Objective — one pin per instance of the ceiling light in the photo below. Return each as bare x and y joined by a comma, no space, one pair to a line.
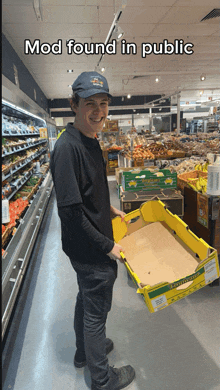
201,92
69,85
138,113
100,69
156,80
37,9
70,71
129,96
160,109
118,33
203,77
70,94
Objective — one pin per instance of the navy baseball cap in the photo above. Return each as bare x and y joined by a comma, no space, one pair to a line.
90,83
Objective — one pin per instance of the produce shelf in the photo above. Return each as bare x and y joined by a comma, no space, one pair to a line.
19,165
22,131
18,252
19,148
22,182
14,133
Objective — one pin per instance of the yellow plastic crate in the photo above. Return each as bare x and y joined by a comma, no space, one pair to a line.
163,294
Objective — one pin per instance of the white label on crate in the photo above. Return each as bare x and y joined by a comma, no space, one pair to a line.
5,211
210,271
159,302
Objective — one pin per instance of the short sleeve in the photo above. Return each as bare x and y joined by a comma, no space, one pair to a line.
65,172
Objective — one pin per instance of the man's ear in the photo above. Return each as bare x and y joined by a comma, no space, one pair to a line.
73,106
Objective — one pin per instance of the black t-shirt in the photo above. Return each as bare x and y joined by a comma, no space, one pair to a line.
78,171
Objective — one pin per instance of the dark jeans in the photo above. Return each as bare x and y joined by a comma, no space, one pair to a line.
92,306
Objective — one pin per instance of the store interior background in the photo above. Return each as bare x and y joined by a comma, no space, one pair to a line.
45,80
176,347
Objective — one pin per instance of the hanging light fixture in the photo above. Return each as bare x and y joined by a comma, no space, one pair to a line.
203,77
118,33
115,31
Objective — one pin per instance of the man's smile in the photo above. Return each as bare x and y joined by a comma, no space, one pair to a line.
96,120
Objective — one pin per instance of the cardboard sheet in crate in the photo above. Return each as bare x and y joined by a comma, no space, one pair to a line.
148,180
165,259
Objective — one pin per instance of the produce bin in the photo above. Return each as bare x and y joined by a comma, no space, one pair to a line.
202,215
158,247
148,180
183,178
119,172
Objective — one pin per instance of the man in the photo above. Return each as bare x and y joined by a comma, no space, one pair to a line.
79,175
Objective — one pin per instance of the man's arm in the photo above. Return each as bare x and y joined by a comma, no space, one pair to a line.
79,226
81,229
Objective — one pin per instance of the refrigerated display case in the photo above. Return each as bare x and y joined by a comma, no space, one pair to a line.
26,189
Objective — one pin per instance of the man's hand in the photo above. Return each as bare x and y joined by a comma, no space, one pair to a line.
118,213
115,253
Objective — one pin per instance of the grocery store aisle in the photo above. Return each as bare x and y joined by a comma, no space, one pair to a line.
176,348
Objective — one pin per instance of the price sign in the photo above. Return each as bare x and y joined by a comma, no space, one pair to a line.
202,210
5,211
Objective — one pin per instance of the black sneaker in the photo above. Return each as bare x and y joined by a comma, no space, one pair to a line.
80,360
119,379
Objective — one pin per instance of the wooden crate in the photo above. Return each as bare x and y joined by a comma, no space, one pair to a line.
138,162
176,153
27,195
30,195
7,169
5,235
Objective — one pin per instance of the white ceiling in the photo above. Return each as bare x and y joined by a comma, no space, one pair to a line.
142,21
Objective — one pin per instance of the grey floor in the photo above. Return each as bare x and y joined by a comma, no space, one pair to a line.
175,348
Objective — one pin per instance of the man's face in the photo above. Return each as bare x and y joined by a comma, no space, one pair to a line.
91,114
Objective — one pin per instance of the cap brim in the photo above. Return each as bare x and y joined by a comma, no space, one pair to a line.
91,92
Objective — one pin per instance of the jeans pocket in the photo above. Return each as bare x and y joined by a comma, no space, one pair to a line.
97,289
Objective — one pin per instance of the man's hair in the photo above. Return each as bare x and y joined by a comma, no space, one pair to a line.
74,101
